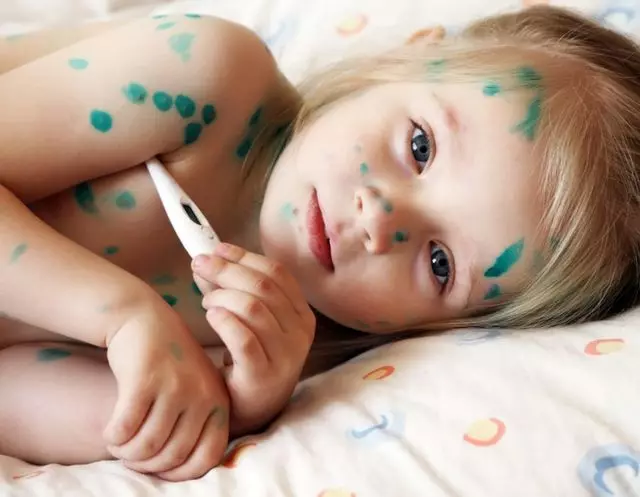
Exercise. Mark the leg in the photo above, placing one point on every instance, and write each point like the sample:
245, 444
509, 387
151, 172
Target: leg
54, 406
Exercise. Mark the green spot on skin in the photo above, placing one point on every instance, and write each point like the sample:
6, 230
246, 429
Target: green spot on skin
386, 205
111, 250
401, 237
436, 66
125, 201
491, 89
166, 25
52, 354
78, 64
135, 93
255, 117
164, 279
18, 252
193, 16
83, 195
176, 351
493, 293
163, 101
288, 211
195, 289
159, 16
364, 169
244, 147
170, 299
185, 106
208, 114
505, 260
529, 124
192, 132
181, 44
221, 415
528, 77
101, 120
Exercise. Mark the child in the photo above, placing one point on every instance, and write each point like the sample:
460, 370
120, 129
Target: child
488, 180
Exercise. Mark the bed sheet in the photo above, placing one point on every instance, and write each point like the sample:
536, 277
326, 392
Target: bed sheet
470, 413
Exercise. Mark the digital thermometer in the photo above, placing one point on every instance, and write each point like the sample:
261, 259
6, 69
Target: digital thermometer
193, 229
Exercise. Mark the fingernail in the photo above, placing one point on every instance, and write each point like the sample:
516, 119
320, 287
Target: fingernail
199, 261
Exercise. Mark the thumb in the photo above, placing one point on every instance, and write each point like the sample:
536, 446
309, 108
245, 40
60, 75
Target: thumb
128, 414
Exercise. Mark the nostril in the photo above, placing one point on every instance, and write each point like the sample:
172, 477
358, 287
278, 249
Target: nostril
359, 203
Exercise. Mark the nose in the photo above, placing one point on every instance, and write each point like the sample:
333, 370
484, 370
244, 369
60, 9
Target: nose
374, 219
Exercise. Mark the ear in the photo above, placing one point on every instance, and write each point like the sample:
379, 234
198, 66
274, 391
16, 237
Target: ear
427, 35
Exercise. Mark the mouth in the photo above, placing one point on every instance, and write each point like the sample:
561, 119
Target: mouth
318, 239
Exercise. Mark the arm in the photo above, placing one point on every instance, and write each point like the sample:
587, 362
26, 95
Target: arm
93, 109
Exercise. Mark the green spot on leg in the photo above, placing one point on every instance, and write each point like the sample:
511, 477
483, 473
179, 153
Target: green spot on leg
401, 237
255, 117
181, 44
101, 120
78, 64
208, 114
135, 93
165, 25
125, 201
52, 354
185, 106
170, 299
505, 260
195, 289
163, 101
244, 147
529, 125
288, 211
83, 195
164, 279
528, 77
18, 252
364, 169
193, 16
192, 132
176, 351
491, 89
493, 293
111, 250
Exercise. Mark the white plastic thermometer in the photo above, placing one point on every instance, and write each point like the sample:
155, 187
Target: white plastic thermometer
193, 229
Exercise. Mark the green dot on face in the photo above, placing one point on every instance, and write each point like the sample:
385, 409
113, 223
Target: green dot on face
78, 64
493, 293
491, 89
170, 299
401, 237
244, 147
185, 106
135, 93
18, 252
165, 25
125, 201
208, 114
52, 354
364, 168
101, 120
163, 101
111, 250
192, 132
386, 205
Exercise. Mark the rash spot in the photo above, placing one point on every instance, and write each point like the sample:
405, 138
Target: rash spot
18, 252
163, 101
101, 120
83, 195
364, 169
529, 125
244, 147
170, 299
505, 260
185, 106
125, 201
192, 132
135, 93
493, 292
78, 64
401, 236
208, 114
52, 354
288, 211
111, 250
491, 89
165, 25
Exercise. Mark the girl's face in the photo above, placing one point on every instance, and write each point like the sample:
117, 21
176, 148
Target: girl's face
409, 203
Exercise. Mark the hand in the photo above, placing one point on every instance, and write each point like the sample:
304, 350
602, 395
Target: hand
171, 416
261, 315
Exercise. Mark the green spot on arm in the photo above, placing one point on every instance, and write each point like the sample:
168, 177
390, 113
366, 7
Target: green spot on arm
52, 354
255, 117
83, 195
135, 93
170, 299
111, 250
208, 114
506, 260
192, 132
244, 147
165, 25
163, 101
78, 64
185, 106
18, 252
101, 120
125, 200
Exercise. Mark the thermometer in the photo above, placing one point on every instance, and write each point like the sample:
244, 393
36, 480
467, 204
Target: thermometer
193, 229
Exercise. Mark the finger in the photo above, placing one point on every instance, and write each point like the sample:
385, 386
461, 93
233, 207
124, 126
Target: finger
185, 434
208, 452
243, 345
203, 285
128, 415
153, 434
271, 271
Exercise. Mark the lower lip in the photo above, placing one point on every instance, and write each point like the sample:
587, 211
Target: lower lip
318, 243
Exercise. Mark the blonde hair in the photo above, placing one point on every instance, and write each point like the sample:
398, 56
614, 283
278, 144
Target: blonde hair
588, 143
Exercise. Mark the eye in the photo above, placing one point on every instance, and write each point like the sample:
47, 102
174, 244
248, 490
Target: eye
421, 147
440, 264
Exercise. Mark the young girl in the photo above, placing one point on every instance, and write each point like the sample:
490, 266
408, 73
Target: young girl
487, 180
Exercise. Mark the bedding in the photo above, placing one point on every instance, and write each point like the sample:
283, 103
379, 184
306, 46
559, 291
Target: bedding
469, 413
